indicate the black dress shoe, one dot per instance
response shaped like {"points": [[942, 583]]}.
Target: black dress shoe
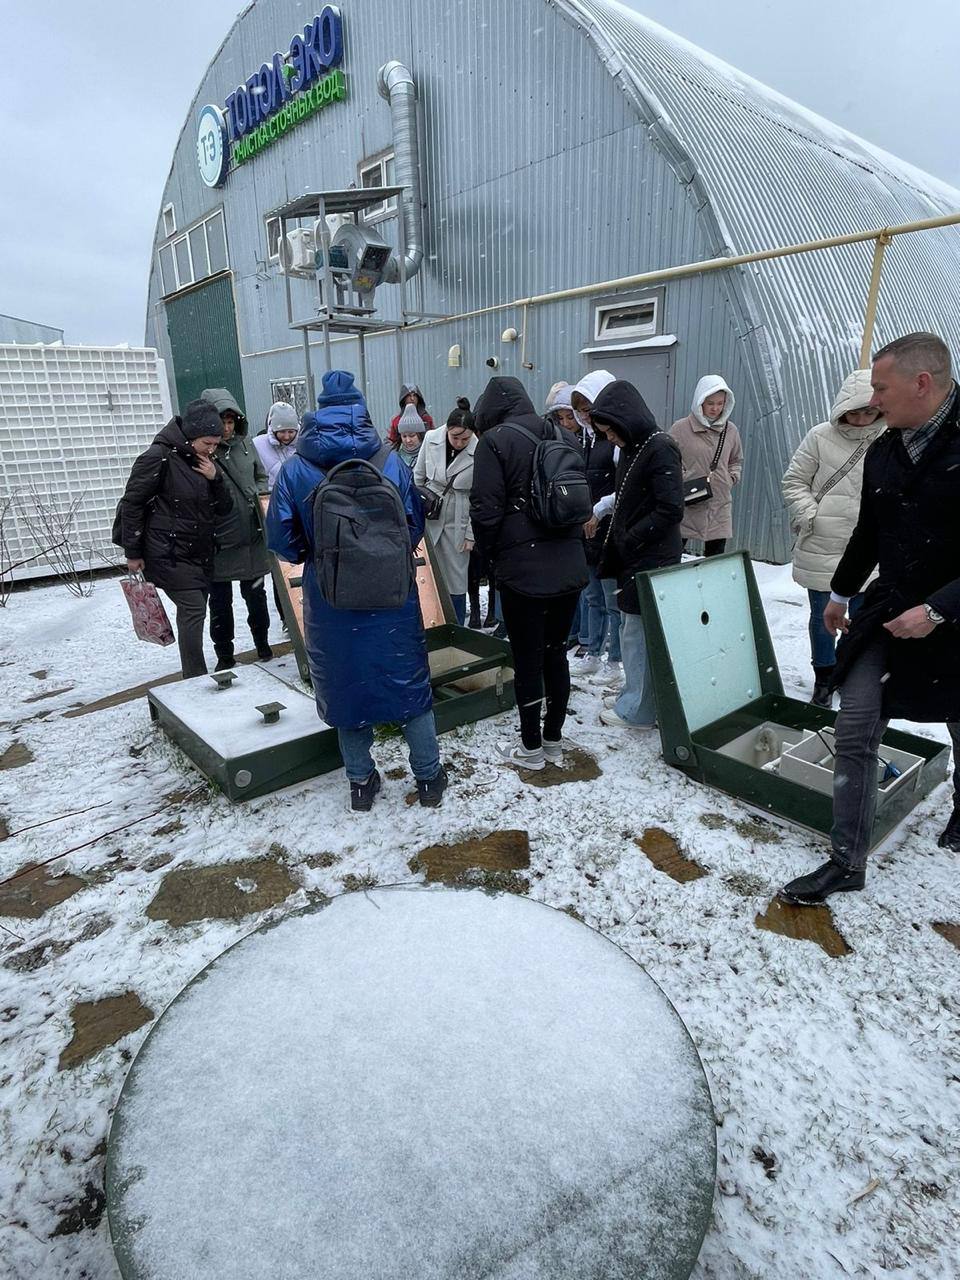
{"points": [[811, 890], [950, 835], [431, 791], [473, 622], [224, 662], [362, 794], [264, 652]]}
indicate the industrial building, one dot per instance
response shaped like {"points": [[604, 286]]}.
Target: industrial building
{"points": [[529, 158]]}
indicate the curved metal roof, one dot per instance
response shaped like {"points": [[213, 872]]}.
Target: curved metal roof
{"points": [[773, 173], [765, 172]]}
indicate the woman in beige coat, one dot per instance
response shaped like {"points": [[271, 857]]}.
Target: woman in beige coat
{"points": [[699, 437], [444, 465], [821, 488]]}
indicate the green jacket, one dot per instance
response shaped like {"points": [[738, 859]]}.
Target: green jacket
{"points": [[240, 552]]}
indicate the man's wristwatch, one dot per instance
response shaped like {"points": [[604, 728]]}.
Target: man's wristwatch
{"points": [[932, 615]]}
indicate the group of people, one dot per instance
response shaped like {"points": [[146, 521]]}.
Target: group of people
{"points": [[871, 493]]}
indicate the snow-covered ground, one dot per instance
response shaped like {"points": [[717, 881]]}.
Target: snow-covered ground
{"points": [[831, 1077]]}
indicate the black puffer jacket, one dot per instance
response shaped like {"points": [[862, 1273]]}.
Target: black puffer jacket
{"points": [[528, 558], [602, 479], [645, 529], [168, 511], [909, 526]]}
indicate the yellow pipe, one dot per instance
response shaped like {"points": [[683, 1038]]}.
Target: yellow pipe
{"points": [[673, 273], [872, 294]]}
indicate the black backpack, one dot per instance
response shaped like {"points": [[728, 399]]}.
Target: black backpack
{"points": [[559, 490], [361, 539]]}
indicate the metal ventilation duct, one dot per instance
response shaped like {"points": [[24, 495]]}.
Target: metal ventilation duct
{"points": [[396, 84]]}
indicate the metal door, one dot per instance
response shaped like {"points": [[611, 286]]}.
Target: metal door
{"points": [[202, 326], [651, 372]]}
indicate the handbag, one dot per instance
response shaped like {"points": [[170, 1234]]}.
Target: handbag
{"points": [[150, 621], [433, 502], [700, 489]]}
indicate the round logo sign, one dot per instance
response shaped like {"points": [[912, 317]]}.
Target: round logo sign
{"points": [[213, 153]]}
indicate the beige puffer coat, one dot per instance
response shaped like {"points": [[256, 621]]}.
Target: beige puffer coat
{"points": [[823, 527], [698, 441]]}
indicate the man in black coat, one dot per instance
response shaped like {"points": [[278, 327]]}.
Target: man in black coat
{"points": [[644, 534], [174, 497], [899, 657], [540, 572]]}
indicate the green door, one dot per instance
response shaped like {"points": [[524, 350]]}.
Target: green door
{"points": [[202, 326]]}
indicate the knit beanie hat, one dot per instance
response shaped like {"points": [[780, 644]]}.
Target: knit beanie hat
{"points": [[200, 418], [410, 422], [282, 417]]}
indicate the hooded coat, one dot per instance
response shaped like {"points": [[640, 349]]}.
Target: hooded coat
{"points": [[273, 454], [367, 667], [240, 551], [168, 511], [527, 558], [909, 526], [823, 524], [644, 532], [698, 440], [409, 389]]}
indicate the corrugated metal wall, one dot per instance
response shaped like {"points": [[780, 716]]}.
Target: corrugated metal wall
{"points": [[542, 172]]}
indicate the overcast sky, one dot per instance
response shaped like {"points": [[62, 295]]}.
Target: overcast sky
{"points": [[96, 94]]}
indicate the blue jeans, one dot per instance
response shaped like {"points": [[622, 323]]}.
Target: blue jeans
{"points": [[580, 626], [636, 703], [823, 646], [421, 736], [460, 608], [859, 728], [603, 616]]}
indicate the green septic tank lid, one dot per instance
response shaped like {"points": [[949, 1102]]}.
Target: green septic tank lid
{"points": [[417, 1082], [709, 646]]}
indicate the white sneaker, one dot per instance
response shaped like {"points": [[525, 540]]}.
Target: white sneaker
{"points": [[609, 717], [517, 754], [610, 674], [553, 751], [610, 699], [587, 665]]}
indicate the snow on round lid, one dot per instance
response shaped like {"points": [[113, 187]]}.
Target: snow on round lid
{"points": [[415, 1083]]}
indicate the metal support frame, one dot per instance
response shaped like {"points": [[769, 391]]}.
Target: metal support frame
{"points": [[872, 296]]}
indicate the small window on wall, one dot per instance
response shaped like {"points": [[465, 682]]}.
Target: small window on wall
{"points": [[169, 220], [216, 243], [273, 239], [635, 319], [197, 253], [290, 391], [380, 172]]}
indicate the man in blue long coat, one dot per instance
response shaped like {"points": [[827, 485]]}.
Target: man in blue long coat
{"points": [[368, 667]]}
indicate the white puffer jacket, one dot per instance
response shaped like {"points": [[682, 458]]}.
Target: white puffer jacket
{"points": [[823, 527]]}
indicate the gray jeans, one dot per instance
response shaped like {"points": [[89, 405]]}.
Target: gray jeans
{"points": [[191, 615], [860, 726]]}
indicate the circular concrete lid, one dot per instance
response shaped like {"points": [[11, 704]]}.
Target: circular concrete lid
{"points": [[415, 1082]]}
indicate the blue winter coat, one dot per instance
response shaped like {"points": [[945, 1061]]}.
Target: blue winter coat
{"points": [[367, 667]]}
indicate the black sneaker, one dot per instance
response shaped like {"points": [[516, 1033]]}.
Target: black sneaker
{"points": [[950, 835], [431, 791], [224, 663], [811, 890], [362, 793], [500, 631]]}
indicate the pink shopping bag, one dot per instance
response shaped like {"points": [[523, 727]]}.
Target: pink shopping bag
{"points": [[150, 621]]}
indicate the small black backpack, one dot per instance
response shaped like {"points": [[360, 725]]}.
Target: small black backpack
{"points": [[362, 550], [559, 490]]}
